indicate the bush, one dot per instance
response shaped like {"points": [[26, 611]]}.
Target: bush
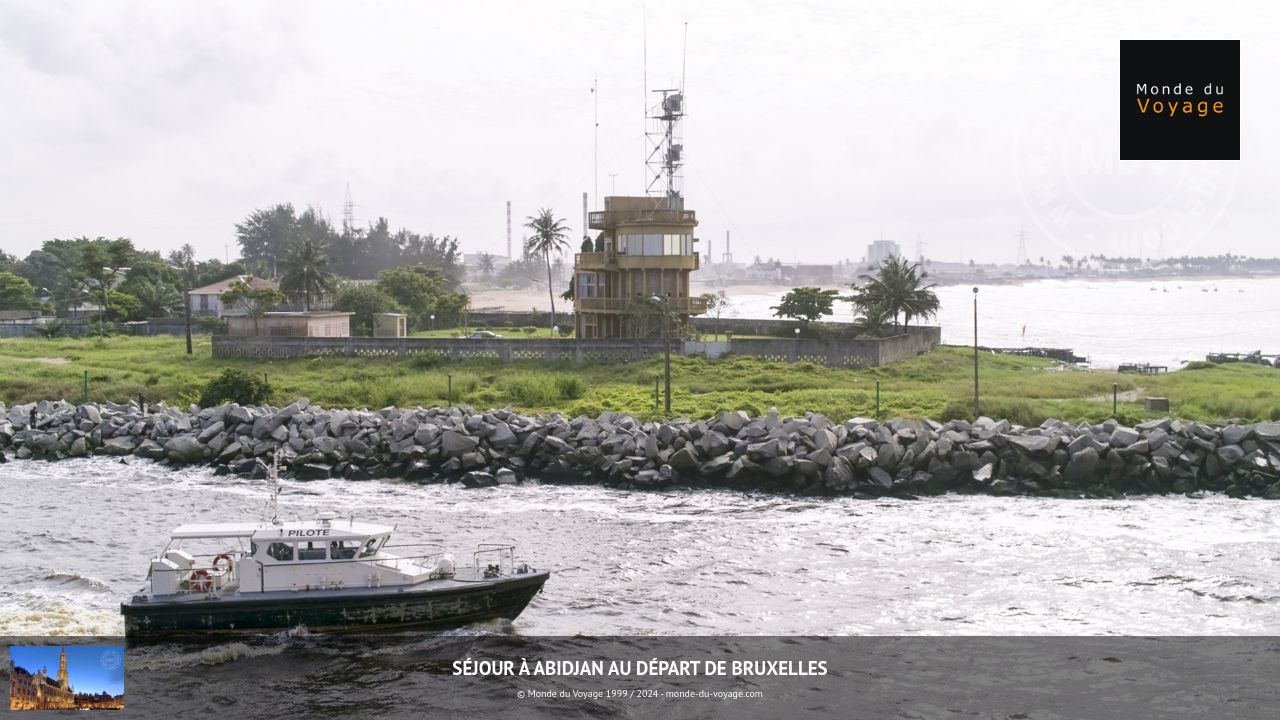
{"points": [[236, 386], [570, 387], [211, 325], [528, 330], [101, 328], [50, 330], [1200, 365]]}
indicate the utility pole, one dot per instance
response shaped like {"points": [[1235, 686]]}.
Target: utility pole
{"points": [[187, 300], [664, 304], [509, 257], [976, 412]]}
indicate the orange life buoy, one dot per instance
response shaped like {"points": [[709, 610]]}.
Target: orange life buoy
{"points": [[201, 581], [220, 558]]}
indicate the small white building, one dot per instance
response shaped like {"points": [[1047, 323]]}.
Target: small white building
{"points": [[207, 300], [292, 324]]}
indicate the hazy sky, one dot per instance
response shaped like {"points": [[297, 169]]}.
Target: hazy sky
{"points": [[813, 127]]}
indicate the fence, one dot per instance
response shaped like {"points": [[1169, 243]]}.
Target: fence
{"points": [[80, 329], [836, 353], [280, 348]]}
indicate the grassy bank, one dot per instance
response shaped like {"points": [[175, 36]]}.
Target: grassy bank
{"points": [[937, 385]]}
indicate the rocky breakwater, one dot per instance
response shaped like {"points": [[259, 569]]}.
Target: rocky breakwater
{"points": [[809, 454]]}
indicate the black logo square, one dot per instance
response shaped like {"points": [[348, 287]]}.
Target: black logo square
{"points": [[1179, 99]]}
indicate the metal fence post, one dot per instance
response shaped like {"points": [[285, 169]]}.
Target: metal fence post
{"points": [[877, 399], [84, 398], [1115, 398], [450, 379]]}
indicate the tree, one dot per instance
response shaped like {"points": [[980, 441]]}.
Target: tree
{"points": [[306, 273], [549, 236], [7, 261], [264, 236], [183, 256], [365, 301], [156, 300], [100, 265], [255, 302], [717, 306], [16, 293], [123, 306], [420, 291], [897, 289], [806, 304], [486, 264]]}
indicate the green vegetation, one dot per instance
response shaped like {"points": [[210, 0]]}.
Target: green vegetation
{"points": [[806, 304], [237, 386], [937, 385]]}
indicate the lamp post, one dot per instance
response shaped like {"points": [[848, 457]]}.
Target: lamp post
{"points": [[666, 354], [976, 412], [796, 347], [433, 323]]}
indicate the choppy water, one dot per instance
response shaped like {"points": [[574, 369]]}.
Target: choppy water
{"points": [[78, 534], [1163, 322]]}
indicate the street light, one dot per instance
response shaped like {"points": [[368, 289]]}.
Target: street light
{"points": [[433, 323], [976, 413], [796, 350], [666, 353]]}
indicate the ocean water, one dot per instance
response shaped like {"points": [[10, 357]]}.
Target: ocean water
{"points": [[693, 562], [1162, 322]]}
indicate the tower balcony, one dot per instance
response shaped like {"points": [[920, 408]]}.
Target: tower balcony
{"points": [[680, 305], [615, 261]]}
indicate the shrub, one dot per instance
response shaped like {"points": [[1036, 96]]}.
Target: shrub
{"points": [[50, 330], [1200, 365], [235, 386], [211, 325], [528, 330], [570, 387], [101, 328]]}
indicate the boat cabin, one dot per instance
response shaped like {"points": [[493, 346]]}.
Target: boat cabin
{"points": [[325, 553]]}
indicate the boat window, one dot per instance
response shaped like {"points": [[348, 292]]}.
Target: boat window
{"points": [[343, 549], [371, 547], [280, 551], [310, 552]]}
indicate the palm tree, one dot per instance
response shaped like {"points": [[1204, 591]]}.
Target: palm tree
{"points": [[486, 264], [182, 257], [896, 290], [549, 235], [306, 272], [159, 300]]}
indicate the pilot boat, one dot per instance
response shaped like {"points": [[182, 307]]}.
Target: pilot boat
{"points": [[327, 574]]}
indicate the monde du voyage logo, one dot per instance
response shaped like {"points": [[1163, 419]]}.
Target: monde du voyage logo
{"points": [[1179, 99]]}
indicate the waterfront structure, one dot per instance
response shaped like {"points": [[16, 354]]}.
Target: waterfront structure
{"points": [[880, 250], [39, 691], [644, 250], [207, 300], [314, 323]]}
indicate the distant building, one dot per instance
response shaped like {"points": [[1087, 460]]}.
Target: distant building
{"points": [[207, 300], [809, 274], [880, 250], [472, 262], [292, 324], [769, 270], [390, 325], [646, 252]]}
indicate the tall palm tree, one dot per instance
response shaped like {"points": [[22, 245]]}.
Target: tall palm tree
{"points": [[306, 273], [486, 264], [895, 290], [549, 235], [159, 300]]}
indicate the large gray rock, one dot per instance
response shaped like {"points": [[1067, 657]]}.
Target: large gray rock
{"points": [[454, 443], [184, 448]]}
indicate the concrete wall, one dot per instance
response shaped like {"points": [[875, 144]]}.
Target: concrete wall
{"points": [[836, 353]]}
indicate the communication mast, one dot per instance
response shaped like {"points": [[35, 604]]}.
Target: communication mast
{"points": [[1022, 246], [348, 213], [666, 148]]}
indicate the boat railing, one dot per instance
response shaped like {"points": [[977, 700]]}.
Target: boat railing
{"points": [[498, 552]]}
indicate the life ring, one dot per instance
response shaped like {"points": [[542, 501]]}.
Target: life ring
{"points": [[201, 581], [230, 562]]}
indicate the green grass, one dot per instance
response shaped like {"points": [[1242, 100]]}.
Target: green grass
{"points": [[937, 385]]}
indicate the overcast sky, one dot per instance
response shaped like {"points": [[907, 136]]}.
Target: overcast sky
{"points": [[813, 127]]}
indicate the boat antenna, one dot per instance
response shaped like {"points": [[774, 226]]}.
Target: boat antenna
{"points": [[274, 475]]}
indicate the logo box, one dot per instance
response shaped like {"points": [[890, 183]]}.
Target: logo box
{"points": [[1179, 99]]}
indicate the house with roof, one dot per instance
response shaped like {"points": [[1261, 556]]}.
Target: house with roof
{"points": [[207, 300]]}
